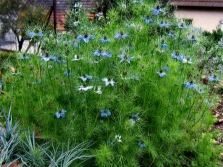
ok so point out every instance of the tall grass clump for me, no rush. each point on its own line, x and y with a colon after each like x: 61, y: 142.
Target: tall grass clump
x: 129, y: 82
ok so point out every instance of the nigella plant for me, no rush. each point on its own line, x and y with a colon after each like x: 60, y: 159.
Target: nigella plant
x: 105, y: 113
x: 60, y: 114
x: 105, y: 39
x: 85, y: 37
x: 121, y: 35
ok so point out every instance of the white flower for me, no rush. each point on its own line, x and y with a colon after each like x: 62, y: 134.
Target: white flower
x: 84, y: 88
x: 76, y: 23
x: 118, y: 138
x: 188, y: 61
x: 108, y: 81
x: 98, y: 90
x: 76, y: 58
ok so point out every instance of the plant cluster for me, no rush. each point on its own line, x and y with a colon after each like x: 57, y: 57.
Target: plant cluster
x: 131, y: 85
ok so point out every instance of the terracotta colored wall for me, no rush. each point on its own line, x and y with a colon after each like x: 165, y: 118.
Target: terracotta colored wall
x: 206, y: 18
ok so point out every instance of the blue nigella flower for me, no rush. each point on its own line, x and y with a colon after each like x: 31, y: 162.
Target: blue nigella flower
x: 182, y: 26
x: 105, y: 39
x: 120, y: 35
x: 105, y: 113
x: 25, y: 57
x: 148, y: 20
x: 191, y: 85
x: 135, y: 117
x: 161, y: 73
x: 124, y: 57
x: 31, y: 34
x: 85, y: 38
x: 75, y: 44
x: 40, y: 34
x: 60, y: 114
x: 112, y: 142
x: 132, y: 25
x: 85, y: 77
x: 163, y: 45
x: 163, y: 24
x: 157, y: 10
x: 213, y: 78
x: 137, y: 1
x: 171, y: 34
x: 136, y: 77
x: 141, y: 145
x: 98, y: 53
x: 46, y: 57
x: 68, y: 73
x: 193, y: 39
x: 167, y: 68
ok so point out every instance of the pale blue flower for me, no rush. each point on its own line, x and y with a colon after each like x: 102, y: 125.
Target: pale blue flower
x: 25, y: 57
x: 136, y: 77
x: 46, y: 57
x: 40, y: 34
x: 182, y: 26
x: 171, y: 34
x: 163, y: 24
x: 157, y: 10
x: 163, y: 45
x: 120, y: 35
x: 31, y: 34
x: 192, y: 38
x: 213, y: 78
x: 68, y: 73
x: 105, y: 113
x: 85, y: 77
x: 161, y: 73
x: 167, y: 68
x: 60, y: 114
x: 190, y: 85
x: 105, y: 39
x: 148, y: 20
x: 141, y: 145
x: 124, y: 57
x: 85, y: 38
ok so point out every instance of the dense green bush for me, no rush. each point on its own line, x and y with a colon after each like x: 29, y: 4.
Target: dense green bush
x: 130, y: 84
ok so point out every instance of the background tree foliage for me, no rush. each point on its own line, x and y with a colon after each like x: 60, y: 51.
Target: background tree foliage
x: 18, y: 16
